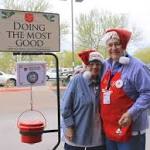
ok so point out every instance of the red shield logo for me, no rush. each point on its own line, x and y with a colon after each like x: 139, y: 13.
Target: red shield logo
x: 28, y: 17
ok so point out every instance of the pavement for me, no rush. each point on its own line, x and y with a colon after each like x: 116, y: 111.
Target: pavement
x: 14, y: 101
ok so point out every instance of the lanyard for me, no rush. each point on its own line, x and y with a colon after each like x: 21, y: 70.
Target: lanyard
x: 111, y: 75
x: 109, y: 80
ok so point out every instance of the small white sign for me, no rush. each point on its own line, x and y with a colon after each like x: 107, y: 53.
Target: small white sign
x: 31, y: 73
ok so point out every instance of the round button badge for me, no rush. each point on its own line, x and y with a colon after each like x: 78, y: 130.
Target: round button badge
x: 119, y: 83
x: 32, y: 77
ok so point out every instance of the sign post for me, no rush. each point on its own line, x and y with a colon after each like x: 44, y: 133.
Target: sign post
x: 32, y: 33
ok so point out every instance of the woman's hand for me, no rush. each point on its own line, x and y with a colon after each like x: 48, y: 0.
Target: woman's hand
x: 69, y: 133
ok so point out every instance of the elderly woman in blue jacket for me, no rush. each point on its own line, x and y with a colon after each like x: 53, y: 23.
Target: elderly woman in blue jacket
x: 80, y: 106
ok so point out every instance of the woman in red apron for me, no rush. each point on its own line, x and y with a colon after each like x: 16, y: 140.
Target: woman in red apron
x: 124, y: 95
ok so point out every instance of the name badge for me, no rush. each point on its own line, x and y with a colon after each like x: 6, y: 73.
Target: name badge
x: 106, y: 97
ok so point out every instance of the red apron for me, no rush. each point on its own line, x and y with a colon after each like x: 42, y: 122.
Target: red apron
x: 119, y: 104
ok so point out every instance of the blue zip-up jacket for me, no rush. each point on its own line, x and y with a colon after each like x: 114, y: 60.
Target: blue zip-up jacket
x: 80, y: 109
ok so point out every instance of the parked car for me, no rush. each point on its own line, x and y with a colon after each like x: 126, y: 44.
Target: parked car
x: 67, y: 75
x: 64, y: 73
x: 148, y: 65
x: 7, y: 79
x: 51, y: 74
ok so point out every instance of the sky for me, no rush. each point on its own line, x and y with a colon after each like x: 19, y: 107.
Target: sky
x: 138, y: 11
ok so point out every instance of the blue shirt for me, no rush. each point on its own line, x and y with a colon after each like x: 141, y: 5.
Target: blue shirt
x: 136, y: 84
x: 80, y: 109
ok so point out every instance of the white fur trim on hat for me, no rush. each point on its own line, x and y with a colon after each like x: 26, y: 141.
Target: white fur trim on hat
x: 95, y: 56
x: 108, y: 36
x: 87, y: 75
x: 124, y: 60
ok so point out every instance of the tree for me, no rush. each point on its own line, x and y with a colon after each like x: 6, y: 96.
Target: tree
x: 91, y: 27
x: 26, y: 5
x: 64, y: 30
x: 142, y: 54
x: 7, y: 62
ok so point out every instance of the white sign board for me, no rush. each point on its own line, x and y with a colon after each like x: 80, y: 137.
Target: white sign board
x: 29, y: 31
x: 31, y: 73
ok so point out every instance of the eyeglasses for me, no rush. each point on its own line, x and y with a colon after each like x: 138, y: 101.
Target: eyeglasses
x: 116, y: 44
x: 95, y: 64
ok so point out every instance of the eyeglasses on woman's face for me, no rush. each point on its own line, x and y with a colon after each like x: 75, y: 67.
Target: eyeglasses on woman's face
x: 94, y: 67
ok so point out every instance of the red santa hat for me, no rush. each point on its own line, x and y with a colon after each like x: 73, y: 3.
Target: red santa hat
x: 84, y: 55
x: 90, y: 55
x: 95, y: 56
x: 123, y: 34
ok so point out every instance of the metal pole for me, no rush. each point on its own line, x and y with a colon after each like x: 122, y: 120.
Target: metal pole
x: 58, y: 93
x: 72, y: 29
